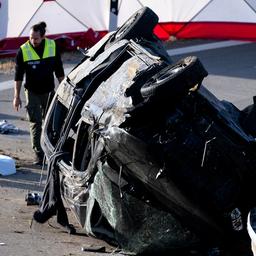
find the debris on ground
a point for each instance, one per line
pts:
(33, 198)
(6, 128)
(7, 165)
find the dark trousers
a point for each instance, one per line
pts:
(36, 106)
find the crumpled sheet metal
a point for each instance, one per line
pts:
(89, 65)
(107, 108)
(136, 226)
(108, 104)
(133, 154)
(227, 113)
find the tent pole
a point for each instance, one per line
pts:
(113, 13)
(30, 19)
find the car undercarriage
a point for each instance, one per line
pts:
(145, 156)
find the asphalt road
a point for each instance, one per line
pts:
(232, 76)
(232, 71)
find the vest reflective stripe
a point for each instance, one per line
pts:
(29, 53)
(49, 49)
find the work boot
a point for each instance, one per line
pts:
(39, 157)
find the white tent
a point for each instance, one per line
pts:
(219, 19)
(211, 19)
(63, 18)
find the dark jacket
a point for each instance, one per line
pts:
(39, 73)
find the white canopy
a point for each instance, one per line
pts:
(229, 19)
(211, 19)
(61, 16)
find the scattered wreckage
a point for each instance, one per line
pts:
(145, 156)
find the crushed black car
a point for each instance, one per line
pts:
(145, 156)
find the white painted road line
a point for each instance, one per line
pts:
(204, 47)
(6, 85)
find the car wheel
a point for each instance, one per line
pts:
(135, 26)
(175, 80)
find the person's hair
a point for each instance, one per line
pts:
(39, 27)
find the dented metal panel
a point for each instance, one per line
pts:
(147, 160)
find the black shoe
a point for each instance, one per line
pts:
(39, 157)
(38, 162)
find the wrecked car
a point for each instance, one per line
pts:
(145, 156)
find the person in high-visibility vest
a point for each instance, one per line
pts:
(38, 59)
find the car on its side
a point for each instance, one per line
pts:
(145, 156)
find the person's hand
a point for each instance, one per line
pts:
(17, 103)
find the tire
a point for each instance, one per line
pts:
(175, 80)
(140, 24)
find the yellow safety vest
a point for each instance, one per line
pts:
(29, 53)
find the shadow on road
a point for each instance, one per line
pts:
(10, 117)
(24, 178)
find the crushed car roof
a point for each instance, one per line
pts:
(149, 159)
